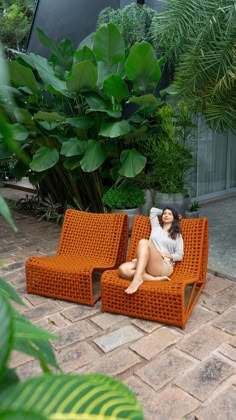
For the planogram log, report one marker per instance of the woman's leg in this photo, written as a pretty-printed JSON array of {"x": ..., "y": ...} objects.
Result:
[
  {"x": 127, "y": 270},
  {"x": 149, "y": 262}
]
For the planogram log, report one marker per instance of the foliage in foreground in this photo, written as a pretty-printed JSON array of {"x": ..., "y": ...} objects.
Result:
[{"x": 52, "y": 395}]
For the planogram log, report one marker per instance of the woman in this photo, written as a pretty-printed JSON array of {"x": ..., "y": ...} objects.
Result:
[{"x": 156, "y": 256}]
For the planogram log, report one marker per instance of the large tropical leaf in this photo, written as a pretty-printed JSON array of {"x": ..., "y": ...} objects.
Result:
[
  {"x": 132, "y": 163},
  {"x": 114, "y": 128},
  {"x": 80, "y": 122},
  {"x": 117, "y": 87},
  {"x": 94, "y": 156},
  {"x": 48, "y": 116},
  {"x": 5, "y": 212},
  {"x": 44, "y": 158},
  {"x": 8, "y": 291},
  {"x": 21, "y": 415},
  {"x": 66, "y": 50},
  {"x": 45, "y": 71},
  {"x": 57, "y": 51},
  {"x": 23, "y": 76},
  {"x": 97, "y": 104},
  {"x": 84, "y": 397},
  {"x": 73, "y": 147},
  {"x": 7, "y": 135},
  {"x": 109, "y": 45},
  {"x": 144, "y": 76},
  {"x": 84, "y": 54},
  {"x": 20, "y": 132},
  {"x": 6, "y": 336},
  {"x": 82, "y": 76}
]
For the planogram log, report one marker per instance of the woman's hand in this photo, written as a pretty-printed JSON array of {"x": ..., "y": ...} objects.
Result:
[{"x": 167, "y": 256}]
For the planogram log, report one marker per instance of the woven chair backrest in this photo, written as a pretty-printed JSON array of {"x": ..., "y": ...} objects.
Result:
[
  {"x": 94, "y": 235},
  {"x": 195, "y": 235}
]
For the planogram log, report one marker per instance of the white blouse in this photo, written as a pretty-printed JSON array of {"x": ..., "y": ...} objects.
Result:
[{"x": 161, "y": 239}]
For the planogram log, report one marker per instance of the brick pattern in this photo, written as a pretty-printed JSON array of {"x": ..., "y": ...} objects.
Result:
[{"x": 175, "y": 373}]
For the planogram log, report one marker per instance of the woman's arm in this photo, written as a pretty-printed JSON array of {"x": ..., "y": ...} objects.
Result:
[
  {"x": 153, "y": 215},
  {"x": 179, "y": 249}
]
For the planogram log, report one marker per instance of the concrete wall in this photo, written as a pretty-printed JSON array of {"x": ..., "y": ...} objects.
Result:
[{"x": 72, "y": 19}]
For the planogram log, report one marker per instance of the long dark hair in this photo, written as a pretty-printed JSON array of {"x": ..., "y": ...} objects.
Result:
[{"x": 175, "y": 229}]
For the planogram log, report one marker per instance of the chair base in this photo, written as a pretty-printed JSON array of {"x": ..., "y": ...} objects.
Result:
[{"x": 162, "y": 301}]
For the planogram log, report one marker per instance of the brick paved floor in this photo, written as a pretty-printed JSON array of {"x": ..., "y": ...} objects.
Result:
[{"x": 176, "y": 374}]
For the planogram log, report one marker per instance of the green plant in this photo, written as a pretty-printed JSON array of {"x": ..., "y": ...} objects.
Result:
[
  {"x": 79, "y": 113},
  {"x": 133, "y": 21},
  {"x": 172, "y": 151},
  {"x": 94, "y": 396},
  {"x": 198, "y": 37},
  {"x": 124, "y": 197},
  {"x": 195, "y": 206}
]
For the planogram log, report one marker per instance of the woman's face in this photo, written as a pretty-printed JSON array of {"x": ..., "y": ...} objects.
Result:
[{"x": 167, "y": 216}]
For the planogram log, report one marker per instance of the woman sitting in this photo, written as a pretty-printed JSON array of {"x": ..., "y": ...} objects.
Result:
[{"x": 155, "y": 257}]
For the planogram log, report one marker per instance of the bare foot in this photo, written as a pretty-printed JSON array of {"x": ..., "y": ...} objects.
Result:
[
  {"x": 161, "y": 278},
  {"x": 133, "y": 287}
]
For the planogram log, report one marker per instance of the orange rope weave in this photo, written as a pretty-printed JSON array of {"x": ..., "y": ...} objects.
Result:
[{"x": 89, "y": 243}]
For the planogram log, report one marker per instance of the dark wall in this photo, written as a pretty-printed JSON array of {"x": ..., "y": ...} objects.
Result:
[{"x": 72, "y": 19}]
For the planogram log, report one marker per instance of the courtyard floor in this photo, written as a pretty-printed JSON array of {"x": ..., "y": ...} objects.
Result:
[{"x": 176, "y": 374}]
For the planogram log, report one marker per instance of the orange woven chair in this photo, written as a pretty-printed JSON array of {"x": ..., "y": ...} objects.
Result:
[
  {"x": 169, "y": 302},
  {"x": 89, "y": 243}
]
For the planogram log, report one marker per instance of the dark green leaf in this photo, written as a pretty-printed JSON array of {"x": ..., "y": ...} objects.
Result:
[
  {"x": 82, "y": 76},
  {"x": 98, "y": 104},
  {"x": 20, "y": 132},
  {"x": 21, "y": 415},
  {"x": 63, "y": 51},
  {"x": 5, "y": 212},
  {"x": 80, "y": 122},
  {"x": 73, "y": 147},
  {"x": 142, "y": 66},
  {"x": 84, "y": 54},
  {"x": 22, "y": 76},
  {"x": 10, "y": 378},
  {"x": 10, "y": 292},
  {"x": 48, "y": 116},
  {"x": 94, "y": 156},
  {"x": 114, "y": 129},
  {"x": 6, "y": 336},
  {"x": 116, "y": 86},
  {"x": 7, "y": 133},
  {"x": 109, "y": 45},
  {"x": 44, "y": 159},
  {"x": 71, "y": 163},
  {"x": 132, "y": 163}
]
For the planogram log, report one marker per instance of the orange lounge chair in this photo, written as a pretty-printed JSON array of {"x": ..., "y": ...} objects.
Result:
[
  {"x": 169, "y": 302},
  {"x": 89, "y": 244}
]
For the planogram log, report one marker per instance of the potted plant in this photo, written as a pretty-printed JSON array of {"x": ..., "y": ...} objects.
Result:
[
  {"x": 124, "y": 198},
  {"x": 172, "y": 158},
  {"x": 193, "y": 211}
]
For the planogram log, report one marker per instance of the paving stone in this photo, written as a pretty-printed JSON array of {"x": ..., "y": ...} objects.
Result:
[
  {"x": 215, "y": 285},
  {"x": 165, "y": 368},
  {"x": 77, "y": 312},
  {"x": 156, "y": 342},
  {"x": 47, "y": 324},
  {"x": 117, "y": 338},
  {"x": 220, "y": 302},
  {"x": 141, "y": 390},
  {"x": 107, "y": 320},
  {"x": 43, "y": 310},
  {"x": 227, "y": 322},
  {"x": 36, "y": 299},
  {"x": 29, "y": 370},
  {"x": 17, "y": 359},
  {"x": 171, "y": 404},
  {"x": 228, "y": 351},
  {"x": 112, "y": 364},
  {"x": 73, "y": 357},
  {"x": 73, "y": 334},
  {"x": 204, "y": 378},
  {"x": 202, "y": 342},
  {"x": 147, "y": 326},
  {"x": 221, "y": 408},
  {"x": 198, "y": 317}
]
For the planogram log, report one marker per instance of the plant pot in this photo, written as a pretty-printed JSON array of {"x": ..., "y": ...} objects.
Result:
[
  {"x": 148, "y": 202},
  {"x": 178, "y": 201},
  {"x": 192, "y": 214},
  {"x": 131, "y": 214}
]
